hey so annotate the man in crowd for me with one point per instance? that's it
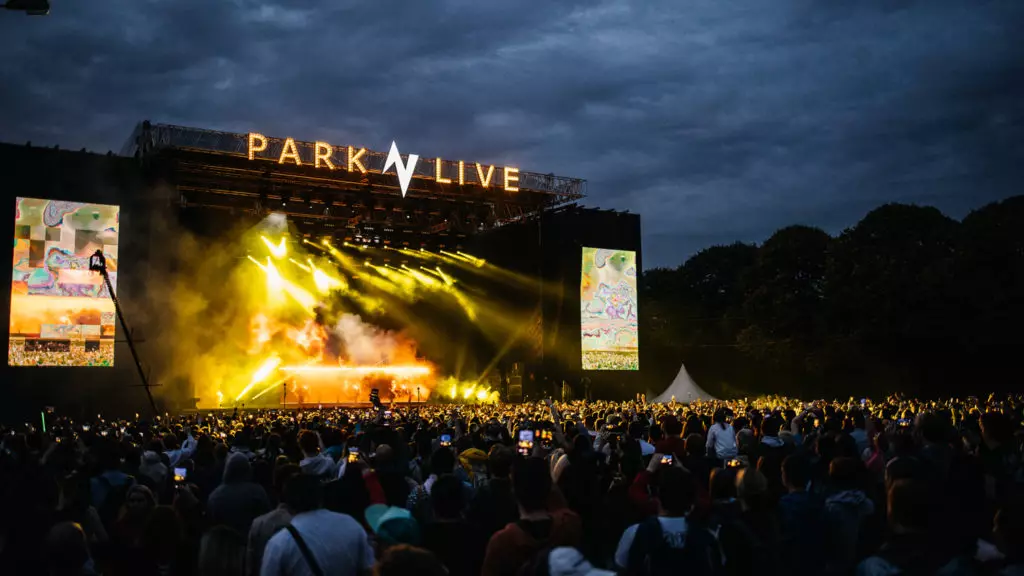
(317, 541)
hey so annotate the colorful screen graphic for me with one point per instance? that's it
(608, 313)
(61, 312)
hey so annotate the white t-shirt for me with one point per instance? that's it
(722, 440)
(337, 541)
(673, 530)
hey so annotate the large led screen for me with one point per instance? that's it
(61, 312)
(608, 313)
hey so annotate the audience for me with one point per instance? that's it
(763, 486)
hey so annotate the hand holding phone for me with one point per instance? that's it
(353, 455)
(446, 440)
(180, 474)
(525, 444)
(666, 460)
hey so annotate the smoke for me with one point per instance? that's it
(368, 344)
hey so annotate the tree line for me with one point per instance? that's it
(907, 299)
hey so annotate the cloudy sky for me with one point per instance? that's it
(717, 120)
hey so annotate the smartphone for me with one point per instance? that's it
(179, 474)
(733, 463)
(353, 455)
(863, 401)
(903, 422)
(446, 440)
(525, 444)
(667, 459)
(85, 427)
(103, 432)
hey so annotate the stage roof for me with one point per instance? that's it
(336, 187)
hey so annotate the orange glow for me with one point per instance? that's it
(289, 152)
(402, 370)
(438, 165)
(257, 143)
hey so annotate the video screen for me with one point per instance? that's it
(608, 311)
(61, 312)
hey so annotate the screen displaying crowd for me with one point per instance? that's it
(61, 312)
(760, 486)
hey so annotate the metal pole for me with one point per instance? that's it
(128, 338)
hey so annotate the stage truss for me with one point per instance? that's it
(211, 169)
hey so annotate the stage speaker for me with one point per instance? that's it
(515, 389)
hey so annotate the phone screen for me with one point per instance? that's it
(525, 445)
(666, 459)
(180, 474)
(734, 463)
(353, 454)
(446, 440)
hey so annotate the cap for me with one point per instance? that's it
(393, 525)
(567, 561)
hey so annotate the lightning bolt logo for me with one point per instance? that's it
(404, 170)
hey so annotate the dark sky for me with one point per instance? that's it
(717, 120)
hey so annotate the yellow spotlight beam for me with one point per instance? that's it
(261, 374)
(279, 250)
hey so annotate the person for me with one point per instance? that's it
(405, 560)
(750, 543)
(1008, 532)
(222, 552)
(494, 505)
(165, 551)
(109, 488)
(846, 511)
(265, 526)
(721, 442)
(537, 528)
(456, 542)
(67, 553)
(667, 543)
(315, 461)
(672, 442)
(176, 455)
(334, 542)
(237, 501)
(800, 518)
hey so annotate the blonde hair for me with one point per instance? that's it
(750, 482)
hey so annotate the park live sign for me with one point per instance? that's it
(356, 160)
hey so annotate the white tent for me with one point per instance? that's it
(684, 389)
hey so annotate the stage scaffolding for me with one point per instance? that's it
(212, 169)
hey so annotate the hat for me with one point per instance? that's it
(567, 561)
(393, 525)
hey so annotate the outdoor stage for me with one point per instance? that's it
(314, 261)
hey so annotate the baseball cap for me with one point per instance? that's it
(393, 525)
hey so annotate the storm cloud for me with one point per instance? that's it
(716, 120)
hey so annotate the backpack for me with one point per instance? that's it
(111, 505)
(651, 555)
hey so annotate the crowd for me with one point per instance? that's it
(758, 486)
(60, 355)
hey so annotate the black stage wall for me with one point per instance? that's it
(550, 248)
(54, 174)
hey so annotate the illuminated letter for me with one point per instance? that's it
(254, 147)
(462, 172)
(403, 170)
(511, 175)
(485, 182)
(323, 151)
(353, 159)
(289, 151)
(437, 173)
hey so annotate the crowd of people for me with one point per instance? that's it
(60, 355)
(755, 486)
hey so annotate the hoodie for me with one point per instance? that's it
(801, 523)
(238, 500)
(321, 465)
(845, 513)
